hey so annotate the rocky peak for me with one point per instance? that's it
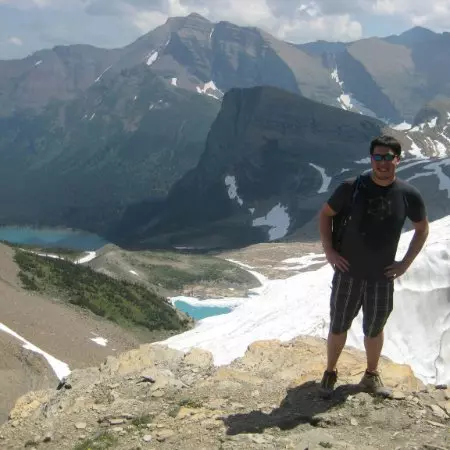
(270, 146)
(266, 399)
(415, 35)
(436, 112)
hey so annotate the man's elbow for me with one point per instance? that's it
(422, 228)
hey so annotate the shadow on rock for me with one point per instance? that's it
(302, 404)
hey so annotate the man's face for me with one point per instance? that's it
(384, 169)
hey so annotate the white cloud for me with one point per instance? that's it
(286, 20)
(15, 40)
(23, 4)
(434, 13)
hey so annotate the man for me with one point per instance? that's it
(364, 263)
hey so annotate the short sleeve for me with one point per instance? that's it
(340, 197)
(416, 210)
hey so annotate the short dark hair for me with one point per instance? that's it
(386, 141)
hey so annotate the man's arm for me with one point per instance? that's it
(325, 226)
(416, 212)
(421, 230)
(325, 229)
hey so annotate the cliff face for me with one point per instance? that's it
(266, 399)
(267, 147)
(270, 161)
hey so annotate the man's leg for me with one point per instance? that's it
(345, 303)
(335, 345)
(377, 307)
(374, 346)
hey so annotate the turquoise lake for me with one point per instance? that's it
(44, 237)
(201, 312)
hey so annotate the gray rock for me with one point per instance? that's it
(81, 425)
(397, 395)
(163, 435)
(439, 412)
(147, 438)
(116, 421)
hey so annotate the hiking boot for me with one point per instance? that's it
(372, 383)
(327, 384)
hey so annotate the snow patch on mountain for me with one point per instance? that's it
(326, 180)
(347, 101)
(210, 89)
(174, 81)
(230, 183)
(38, 63)
(152, 58)
(278, 221)
(100, 341)
(402, 126)
(415, 150)
(305, 261)
(100, 76)
(60, 368)
(365, 160)
(429, 124)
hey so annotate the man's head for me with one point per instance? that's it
(385, 152)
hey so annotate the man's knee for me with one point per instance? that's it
(339, 329)
(373, 332)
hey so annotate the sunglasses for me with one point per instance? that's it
(386, 157)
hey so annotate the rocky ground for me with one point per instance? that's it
(59, 329)
(158, 398)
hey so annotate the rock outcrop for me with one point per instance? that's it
(155, 397)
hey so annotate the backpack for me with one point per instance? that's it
(340, 220)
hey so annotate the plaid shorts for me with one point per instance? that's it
(349, 294)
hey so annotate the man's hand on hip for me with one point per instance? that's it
(336, 260)
(397, 269)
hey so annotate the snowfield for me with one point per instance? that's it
(418, 332)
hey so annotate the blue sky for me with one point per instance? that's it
(30, 25)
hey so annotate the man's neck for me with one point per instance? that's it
(382, 183)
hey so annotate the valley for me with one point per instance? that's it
(161, 270)
(46, 312)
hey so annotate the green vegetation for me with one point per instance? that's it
(143, 420)
(122, 302)
(103, 441)
(175, 271)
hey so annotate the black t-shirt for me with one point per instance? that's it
(371, 237)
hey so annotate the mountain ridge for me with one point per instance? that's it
(272, 153)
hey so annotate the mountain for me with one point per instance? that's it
(390, 77)
(415, 35)
(88, 133)
(78, 163)
(191, 52)
(270, 160)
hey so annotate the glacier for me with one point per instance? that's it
(417, 333)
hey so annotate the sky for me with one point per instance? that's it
(30, 25)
